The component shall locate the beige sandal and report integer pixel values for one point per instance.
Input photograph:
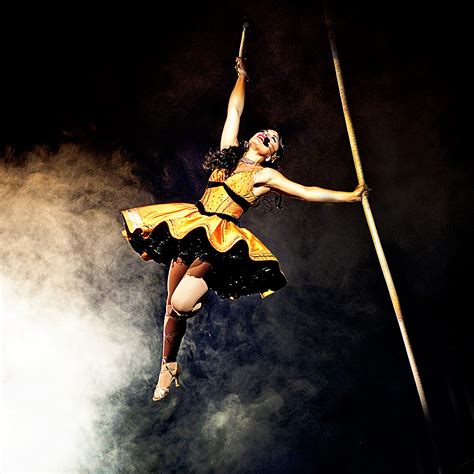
(174, 369)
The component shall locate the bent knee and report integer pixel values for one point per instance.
(185, 307)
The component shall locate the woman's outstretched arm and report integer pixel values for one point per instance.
(274, 180)
(235, 108)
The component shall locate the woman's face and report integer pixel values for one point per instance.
(266, 142)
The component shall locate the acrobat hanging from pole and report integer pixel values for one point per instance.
(202, 245)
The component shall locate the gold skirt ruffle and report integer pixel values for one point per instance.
(142, 224)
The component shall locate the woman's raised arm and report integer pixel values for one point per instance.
(235, 108)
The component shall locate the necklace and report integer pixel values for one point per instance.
(249, 162)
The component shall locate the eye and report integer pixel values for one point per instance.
(274, 139)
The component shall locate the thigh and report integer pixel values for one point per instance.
(193, 286)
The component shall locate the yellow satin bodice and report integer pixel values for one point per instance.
(217, 198)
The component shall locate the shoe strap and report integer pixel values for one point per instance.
(171, 367)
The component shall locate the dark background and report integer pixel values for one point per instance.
(155, 82)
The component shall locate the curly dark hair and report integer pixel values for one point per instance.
(227, 159)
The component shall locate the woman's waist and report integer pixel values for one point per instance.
(229, 213)
(217, 199)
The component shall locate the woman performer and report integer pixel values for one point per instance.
(202, 245)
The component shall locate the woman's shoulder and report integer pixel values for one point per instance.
(266, 171)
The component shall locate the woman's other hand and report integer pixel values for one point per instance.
(359, 191)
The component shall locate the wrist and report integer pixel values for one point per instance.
(242, 75)
(352, 197)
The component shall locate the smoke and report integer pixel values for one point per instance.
(80, 345)
(82, 348)
(75, 307)
(250, 430)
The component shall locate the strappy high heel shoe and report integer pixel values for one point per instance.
(172, 368)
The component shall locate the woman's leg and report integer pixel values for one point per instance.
(173, 326)
(190, 285)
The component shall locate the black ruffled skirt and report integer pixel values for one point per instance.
(233, 273)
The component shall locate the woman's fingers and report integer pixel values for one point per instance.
(240, 67)
(362, 189)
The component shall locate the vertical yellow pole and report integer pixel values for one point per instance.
(373, 231)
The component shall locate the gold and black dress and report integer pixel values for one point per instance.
(209, 229)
